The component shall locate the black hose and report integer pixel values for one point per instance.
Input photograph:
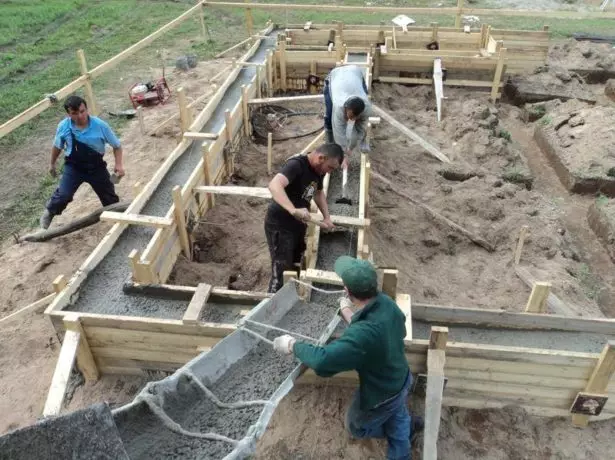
(257, 116)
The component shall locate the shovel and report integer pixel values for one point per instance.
(344, 199)
(403, 21)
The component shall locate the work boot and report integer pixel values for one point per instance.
(330, 139)
(417, 425)
(45, 219)
(365, 147)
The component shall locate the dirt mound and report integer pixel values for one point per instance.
(595, 62)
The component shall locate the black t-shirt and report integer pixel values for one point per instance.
(303, 182)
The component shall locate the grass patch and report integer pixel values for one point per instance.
(505, 134)
(602, 200)
(546, 120)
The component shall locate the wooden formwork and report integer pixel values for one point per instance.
(542, 381)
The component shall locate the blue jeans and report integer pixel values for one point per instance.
(390, 420)
(72, 178)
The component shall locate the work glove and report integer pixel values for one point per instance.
(344, 303)
(284, 344)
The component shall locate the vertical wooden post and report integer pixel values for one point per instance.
(313, 88)
(282, 47)
(61, 374)
(139, 273)
(521, 240)
(85, 360)
(499, 70)
(59, 284)
(434, 31)
(204, 28)
(389, 282)
(89, 92)
(433, 393)
(207, 175)
(537, 302)
(244, 109)
(269, 153)
(141, 119)
(599, 380)
(459, 13)
(180, 221)
(545, 28)
(394, 38)
(184, 113)
(368, 172)
(270, 74)
(339, 48)
(257, 81)
(228, 128)
(249, 20)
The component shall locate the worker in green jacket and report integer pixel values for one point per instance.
(372, 345)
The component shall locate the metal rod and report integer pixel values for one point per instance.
(268, 326)
(257, 335)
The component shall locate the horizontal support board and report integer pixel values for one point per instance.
(135, 219)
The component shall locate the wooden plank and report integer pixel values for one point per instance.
(429, 81)
(184, 114)
(313, 144)
(197, 303)
(599, 380)
(277, 100)
(405, 305)
(282, 61)
(232, 48)
(34, 306)
(537, 302)
(145, 355)
(411, 134)
(244, 109)
(200, 136)
(135, 219)
(433, 402)
(180, 221)
(122, 338)
(257, 192)
(497, 78)
(89, 92)
(389, 282)
(520, 242)
(168, 262)
(438, 337)
(85, 360)
(269, 153)
(321, 276)
(554, 303)
(439, 91)
(59, 283)
(143, 43)
(479, 317)
(59, 381)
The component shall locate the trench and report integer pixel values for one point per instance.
(101, 292)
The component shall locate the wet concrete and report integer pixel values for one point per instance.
(553, 340)
(256, 376)
(102, 291)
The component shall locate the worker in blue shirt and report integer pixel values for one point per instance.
(82, 137)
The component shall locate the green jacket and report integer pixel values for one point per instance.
(373, 345)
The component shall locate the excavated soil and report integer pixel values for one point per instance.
(437, 264)
(601, 218)
(580, 144)
(594, 62)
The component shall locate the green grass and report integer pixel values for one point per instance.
(40, 38)
(602, 200)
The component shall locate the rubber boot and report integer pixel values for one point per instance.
(329, 136)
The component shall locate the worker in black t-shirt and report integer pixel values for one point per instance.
(292, 190)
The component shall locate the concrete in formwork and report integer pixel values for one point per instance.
(256, 376)
(102, 292)
(222, 312)
(542, 339)
(352, 189)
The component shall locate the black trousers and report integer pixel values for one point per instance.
(286, 248)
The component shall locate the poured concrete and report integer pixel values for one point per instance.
(256, 376)
(102, 291)
(552, 340)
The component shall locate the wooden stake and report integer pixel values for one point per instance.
(434, 32)
(89, 92)
(499, 70)
(59, 283)
(184, 114)
(180, 221)
(204, 28)
(207, 175)
(282, 46)
(599, 380)
(389, 282)
(394, 38)
(141, 120)
(484, 37)
(139, 274)
(313, 88)
(368, 174)
(257, 82)
(85, 360)
(459, 13)
(537, 302)
(439, 89)
(197, 303)
(244, 109)
(521, 240)
(269, 153)
(249, 20)
(438, 338)
(59, 381)
(270, 74)
(433, 402)
(228, 127)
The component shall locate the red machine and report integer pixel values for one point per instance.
(150, 93)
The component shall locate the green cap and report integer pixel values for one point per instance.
(359, 276)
